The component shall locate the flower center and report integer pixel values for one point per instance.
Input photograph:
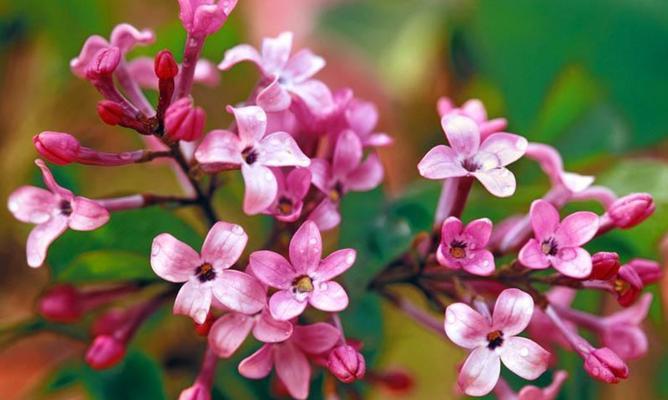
(205, 272)
(549, 247)
(495, 339)
(621, 286)
(285, 205)
(470, 165)
(66, 208)
(336, 192)
(458, 249)
(303, 284)
(249, 155)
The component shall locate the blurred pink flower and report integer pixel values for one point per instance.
(292, 188)
(550, 161)
(464, 246)
(475, 110)
(362, 118)
(204, 17)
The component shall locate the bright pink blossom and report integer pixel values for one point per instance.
(292, 188)
(464, 246)
(204, 17)
(305, 279)
(475, 110)
(362, 118)
(207, 275)
(559, 244)
(468, 156)
(53, 211)
(494, 340)
(550, 161)
(289, 358)
(255, 152)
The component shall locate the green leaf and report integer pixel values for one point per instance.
(104, 265)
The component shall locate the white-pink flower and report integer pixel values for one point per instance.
(493, 340)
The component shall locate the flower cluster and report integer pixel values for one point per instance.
(300, 148)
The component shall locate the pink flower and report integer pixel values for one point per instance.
(495, 340)
(347, 172)
(53, 211)
(346, 363)
(559, 243)
(305, 279)
(541, 327)
(531, 392)
(467, 156)
(475, 110)
(551, 163)
(204, 17)
(289, 358)
(362, 118)
(208, 275)
(649, 271)
(105, 352)
(622, 331)
(142, 70)
(603, 364)
(605, 265)
(464, 246)
(631, 210)
(183, 121)
(292, 188)
(254, 152)
(286, 75)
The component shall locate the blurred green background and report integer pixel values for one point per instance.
(589, 77)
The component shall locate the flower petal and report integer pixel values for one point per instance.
(440, 163)
(480, 372)
(367, 176)
(320, 174)
(315, 95)
(498, 181)
(478, 232)
(240, 53)
(292, 369)
(329, 296)
(362, 116)
(251, 122)
(281, 150)
(194, 300)
(50, 181)
(316, 338)
(347, 154)
(303, 65)
(544, 219)
(126, 37)
(272, 269)
(224, 244)
(41, 237)
(481, 263)
(532, 256)
(465, 326)
(79, 64)
(577, 229)
(261, 188)
(573, 261)
(524, 357)
(173, 260)
(228, 333)
(507, 147)
(335, 264)
(257, 365)
(462, 133)
(451, 229)
(32, 204)
(298, 182)
(284, 306)
(326, 215)
(239, 292)
(275, 52)
(512, 312)
(269, 330)
(87, 215)
(306, 248)
(274, 97)
(219, 147)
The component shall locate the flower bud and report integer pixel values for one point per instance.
(396, 381)
(58, 148)
(105, 352)
(628, 285)
(631, 210)
(649, 271)
(604, 265)
(104, 62)
(61, 303)
(204, 328)
(165, 66)
(111, 113)
(109, 322)
(346, 364)
(183, 121)
(606, 366)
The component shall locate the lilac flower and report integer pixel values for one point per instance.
(286, 75)
(254, 151)
(559, 244)
(292, 188)
(475, 110)
(464, 246)
(362, 118)
(208, 275)
(305, 279)
(495, 340)
(622, 331)
(204, 17)
(467, 156)
(551, 163)
(142, 70)
(53, 211)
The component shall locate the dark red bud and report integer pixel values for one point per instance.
(604, 265)
(165, 66)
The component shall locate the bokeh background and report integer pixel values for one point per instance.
(589, 77)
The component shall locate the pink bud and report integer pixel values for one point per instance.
(604, 265)
(198, 391)
(603, 364)
(183, 121)
(61, 303)
(346, 363)
(111, 113)
(104, 62)
(109, 322)
(59, 148)
(631, 210)
(396, 381)
(105, 352)
(628, 285)
(649, 271)
(165, 66)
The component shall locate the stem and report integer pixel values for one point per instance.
(453, 198)
(201, 198)
(132, 90)
(190, 56)
(417, 314)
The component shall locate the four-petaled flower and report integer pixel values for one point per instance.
(559, 243)
(467, 156)
(292, 188)
(494, 340)
(305, 279)
(464, 246)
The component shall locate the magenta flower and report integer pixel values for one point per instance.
(305, 279)
(254, 152)
(467, 156)
(292, 188)
(559, 243)
(208, 275)
(204, 17)
(495, 341)
(464, 246)
(362, 118)
(289, 358)
(286, 75)
(53, 211)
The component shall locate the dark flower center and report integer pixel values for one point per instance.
(205, 272)
(458, 249)
(470, 165)
(303, 284)
(285, 205)
(336, 192)
(495, 339)
(549, 247)
(66, 208)
(249, 154)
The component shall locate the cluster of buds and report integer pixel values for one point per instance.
(300, 148)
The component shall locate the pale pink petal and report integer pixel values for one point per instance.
(228, 333)
(362, 116)
(451, 229)
(544, 219)
(316, 338)
(444, 106)
(482, 263)
(573, 261)
(306, 248)
(224, 244)
(193, 300)
(32, 204)
(326, 215)
(50, 181)
(347, 154)
(206, 73)
(261, 188)
(575, 182)
(91, 46)
(280, 149)
(329, 296)
(275, 52)
(492, 126)
(303, 65)
(320, 174)
(126, 37)
(577, 229)
(498, 181)
(240, 53)
(475, 109)
(292, 369)
(335, 264)
(173, 260)
(378, 140)
(478, 232)
(257, 365)
(628, 342)
(298, 182)
(239, 291)
(465, 326)
(219, 147)
(315, 95)
(441, 162)
(251, 122)
(480, 372)
(142, 71)
(367, 176)
(41, 237)
(524, 357)
(284, 306)
(512, 312)
(272, 269)
(506, 147)
(274, 97)
(462, 133)
(532, 256)
(269, 330)
(87, 215)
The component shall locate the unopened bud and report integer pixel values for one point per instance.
(649, 271)
(111, 113)
(165, 66)
(57, 147)
(183, 121)
(61, 304)
(105, 352)
(606, 366)
(604, 265)
(204, 328)
(631, 210)
(396, 381)
(104, 62)
(346, 364)
(628, 285)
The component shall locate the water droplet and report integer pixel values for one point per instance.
(450, 317)
(125, 156)
(13, 205)
(155, 250)
(485, 263)
(312, 241)
(350, 259)
(237, 229)
(524, 352)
